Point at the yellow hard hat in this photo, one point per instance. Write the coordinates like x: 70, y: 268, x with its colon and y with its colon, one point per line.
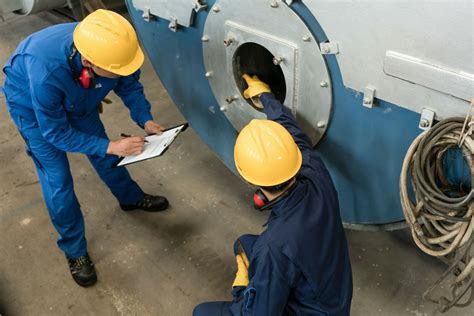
x: 109, y: 41
x: 265, y: 153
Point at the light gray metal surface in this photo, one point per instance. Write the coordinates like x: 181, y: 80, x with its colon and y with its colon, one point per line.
x: 435, y: 33
x: 9, y: 6
x: 233, y: 23
x: 177, y: 11
x: 455, y: 83
x: 35, y: 6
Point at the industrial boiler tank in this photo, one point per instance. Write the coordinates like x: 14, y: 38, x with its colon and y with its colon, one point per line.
x: 363, y: 78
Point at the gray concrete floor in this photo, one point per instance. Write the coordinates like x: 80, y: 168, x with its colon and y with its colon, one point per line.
x: 162, y: 264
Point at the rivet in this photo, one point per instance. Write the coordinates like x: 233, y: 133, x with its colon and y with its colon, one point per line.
x: 306, y: 38
x: 321, y: 124
x: 205, y: 38
x: 209, y: 74
x: 230, y: 99
x: 326, y: 49
x: 216, y: 8
x: 323, y: 84
x: 223, y: 108
x: 274, y: 4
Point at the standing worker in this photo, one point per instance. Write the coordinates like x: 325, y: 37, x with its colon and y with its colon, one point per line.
x: 55, y: 82
x: 300, y: 264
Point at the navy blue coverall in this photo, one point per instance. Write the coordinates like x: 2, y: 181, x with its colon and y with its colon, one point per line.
x: 300, y: 264
x: 55, y: 115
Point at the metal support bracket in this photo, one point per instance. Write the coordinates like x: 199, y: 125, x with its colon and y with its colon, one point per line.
x: 426, y: 119
x: 147, y: 16
x: 180, y: 13
x: 198, y: 6
x: 369, y: 95
x: 173, y: 26
x: 329, y: 48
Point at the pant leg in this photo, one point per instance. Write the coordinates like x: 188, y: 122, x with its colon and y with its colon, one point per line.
x: 117, y: 179
x: 213, y: 309
x: 57, y: 185
x: 246, y: 242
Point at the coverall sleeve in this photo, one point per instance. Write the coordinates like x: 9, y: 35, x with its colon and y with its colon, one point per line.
x: 268, y: 289
x: 130, y: 90
x: 275, y: 111
x: 47, y: 101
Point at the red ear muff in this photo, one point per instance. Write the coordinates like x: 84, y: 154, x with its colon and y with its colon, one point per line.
x: 259, y: 199
x: 261, y: 203
x: 86, y: 78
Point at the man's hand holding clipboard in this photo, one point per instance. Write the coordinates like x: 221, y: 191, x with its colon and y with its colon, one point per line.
x: 155, y: 145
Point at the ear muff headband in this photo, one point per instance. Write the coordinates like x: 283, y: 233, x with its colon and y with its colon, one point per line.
x: 86, y: 76
x: 261, y: 202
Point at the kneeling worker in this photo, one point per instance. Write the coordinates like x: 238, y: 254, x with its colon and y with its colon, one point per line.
x: 300, y: 264
x: 55, y: 82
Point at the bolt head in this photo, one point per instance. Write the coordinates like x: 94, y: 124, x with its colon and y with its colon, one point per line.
x: 216, y: 8
x: 323, y: 84
x: 326, y: 49
x: 209, y: 74
x: 306, y: 38
x: 205, y: 38
x: 228, y: 41
x: 424, y: 123
x: 367, y: 101
x: 223, y: 108
x: 277, y: 60
x: 321, y: 124
x: 274, y: 4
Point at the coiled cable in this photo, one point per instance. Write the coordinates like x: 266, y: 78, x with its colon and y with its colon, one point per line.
x: 440, y: 213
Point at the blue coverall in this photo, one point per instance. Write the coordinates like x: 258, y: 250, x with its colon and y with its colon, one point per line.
x: 55, y: 115
x: 300, y: 264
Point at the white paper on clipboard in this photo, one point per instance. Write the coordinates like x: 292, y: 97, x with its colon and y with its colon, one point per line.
x: 156, y: 145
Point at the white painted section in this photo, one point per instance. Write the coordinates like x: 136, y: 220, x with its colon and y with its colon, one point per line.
x: 9, y: 5
x: 182, y: 10
x: 456, y: 83
x: 438, y: 34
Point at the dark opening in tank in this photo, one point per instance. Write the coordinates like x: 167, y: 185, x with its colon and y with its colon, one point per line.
x: 254, y: 59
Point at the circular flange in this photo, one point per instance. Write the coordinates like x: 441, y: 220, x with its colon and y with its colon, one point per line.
x: 290, y: 44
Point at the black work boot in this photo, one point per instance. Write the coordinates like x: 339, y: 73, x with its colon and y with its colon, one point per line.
x: 149, y: 203
x: 82, y: 270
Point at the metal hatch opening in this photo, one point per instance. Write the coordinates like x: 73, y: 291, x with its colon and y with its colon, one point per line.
x: 254, y: 59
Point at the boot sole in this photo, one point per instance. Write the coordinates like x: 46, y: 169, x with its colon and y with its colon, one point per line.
x: 127, y: 208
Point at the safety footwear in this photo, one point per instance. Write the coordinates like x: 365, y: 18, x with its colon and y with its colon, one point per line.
x: 266, y: 154
x: 109, y: 41
x: 149, y: 203
x: 82, y: 270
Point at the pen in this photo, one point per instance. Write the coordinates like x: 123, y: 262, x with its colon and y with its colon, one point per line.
x: 126, y: 135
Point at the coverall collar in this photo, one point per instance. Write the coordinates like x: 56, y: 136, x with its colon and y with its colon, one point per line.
x: 287, y: 204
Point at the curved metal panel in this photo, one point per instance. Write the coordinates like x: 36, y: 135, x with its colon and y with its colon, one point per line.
x: 434, y: 33
x: 178, y: 61
x: 249, y: 21
x: 363, y: 148
x: 35, y: 6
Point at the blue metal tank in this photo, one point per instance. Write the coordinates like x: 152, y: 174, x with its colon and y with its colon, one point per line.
x: 363, y: 79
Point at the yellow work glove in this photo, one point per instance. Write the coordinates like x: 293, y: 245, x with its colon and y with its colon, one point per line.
x: 242, y: 276
x: 256, y: 87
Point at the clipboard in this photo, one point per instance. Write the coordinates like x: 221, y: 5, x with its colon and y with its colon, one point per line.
x: 156, y: 145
